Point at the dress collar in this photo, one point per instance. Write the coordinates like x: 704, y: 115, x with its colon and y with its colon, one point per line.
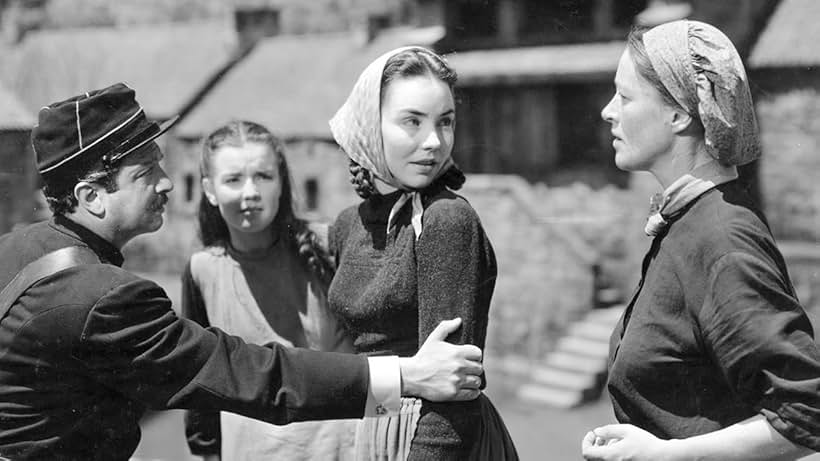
x: 256, y: 255
x: 385, y: 209
x: 103, y: 248
x: 664, y: 207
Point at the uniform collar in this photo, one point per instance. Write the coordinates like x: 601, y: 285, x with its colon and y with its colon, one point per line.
x: 103, y: 248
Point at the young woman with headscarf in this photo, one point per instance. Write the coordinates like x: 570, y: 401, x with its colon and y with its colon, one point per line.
x: 413, y: 252
x: 714, y: 358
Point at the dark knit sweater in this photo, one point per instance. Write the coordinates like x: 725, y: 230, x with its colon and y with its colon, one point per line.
x: 392, y: 291
x: 715, y: 334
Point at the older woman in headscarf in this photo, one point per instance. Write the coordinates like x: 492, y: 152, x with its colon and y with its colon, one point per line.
x: 714, y: 358
x: 413, y: 252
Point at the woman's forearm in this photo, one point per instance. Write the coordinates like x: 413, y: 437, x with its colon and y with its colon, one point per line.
x: 753, y: 439
x: 749, y: 440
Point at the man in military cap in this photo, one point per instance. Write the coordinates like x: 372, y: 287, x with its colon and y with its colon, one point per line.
x: 86, y: 347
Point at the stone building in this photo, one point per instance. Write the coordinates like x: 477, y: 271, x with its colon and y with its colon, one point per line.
x: 169, y: 65
x: 534, y: 76
x: 293, y: 85
x: 174, y: 66
x: 784, y: 68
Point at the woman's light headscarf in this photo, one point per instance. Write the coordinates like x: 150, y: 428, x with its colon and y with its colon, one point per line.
x: 357, y: 129
x: 702, y: 70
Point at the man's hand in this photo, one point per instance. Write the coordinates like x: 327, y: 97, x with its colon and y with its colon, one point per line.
x: 441, y: 371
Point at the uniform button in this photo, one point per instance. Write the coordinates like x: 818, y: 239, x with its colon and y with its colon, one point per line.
x: 381, y: 410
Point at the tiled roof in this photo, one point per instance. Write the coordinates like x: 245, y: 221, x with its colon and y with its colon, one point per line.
x: 166, y: 64
x: 538, y: 63
x: 294, y: 84
x: 790, y: 37
x: 13, y: 116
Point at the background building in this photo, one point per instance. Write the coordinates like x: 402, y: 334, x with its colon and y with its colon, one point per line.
x: 18, y: 202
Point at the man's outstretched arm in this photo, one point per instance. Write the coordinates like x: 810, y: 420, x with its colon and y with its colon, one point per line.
x: 132, y: 340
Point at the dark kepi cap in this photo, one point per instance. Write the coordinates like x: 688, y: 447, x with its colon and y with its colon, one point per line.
x: 105, y: 124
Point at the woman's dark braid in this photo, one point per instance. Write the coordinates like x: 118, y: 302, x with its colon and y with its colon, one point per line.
x: 314, y: 257
x: 361, y: 179
x: 453, y: 178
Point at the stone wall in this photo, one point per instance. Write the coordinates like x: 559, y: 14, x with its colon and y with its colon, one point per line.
x: 326, y: 166
x: 803, y: 260
x: 788, y: 110
x: 544, y: 279
x: 789, y: 168
x: 549, y: 242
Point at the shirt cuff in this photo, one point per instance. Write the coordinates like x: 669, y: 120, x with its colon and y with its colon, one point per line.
x: 384, y: 390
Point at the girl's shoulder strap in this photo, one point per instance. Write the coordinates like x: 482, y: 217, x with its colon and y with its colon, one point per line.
x: 202, y: 262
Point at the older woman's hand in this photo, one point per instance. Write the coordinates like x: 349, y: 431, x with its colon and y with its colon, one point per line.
x: 622, y: 442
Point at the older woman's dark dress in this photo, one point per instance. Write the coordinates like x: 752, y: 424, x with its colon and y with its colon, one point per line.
x: 714, y: 334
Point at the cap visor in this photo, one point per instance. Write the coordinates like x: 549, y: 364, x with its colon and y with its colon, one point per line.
x: 163, y: 127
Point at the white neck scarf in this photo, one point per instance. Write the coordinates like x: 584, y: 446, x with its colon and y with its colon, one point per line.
x: 418, y: 211
x: 683, y: 191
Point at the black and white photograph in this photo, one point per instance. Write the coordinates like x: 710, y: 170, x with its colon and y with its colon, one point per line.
x: 409, y: 230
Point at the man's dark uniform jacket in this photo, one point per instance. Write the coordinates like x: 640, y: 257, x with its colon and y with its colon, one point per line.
x: 85, y: 352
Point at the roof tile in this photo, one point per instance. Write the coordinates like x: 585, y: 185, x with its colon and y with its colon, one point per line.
x: 790, y: 38
x: 537, y: 63
x: 294, y: 84
x: 166, y: 64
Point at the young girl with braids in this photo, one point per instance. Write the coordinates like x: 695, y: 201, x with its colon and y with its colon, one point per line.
x: 265, y: 262
x: 412, y: 253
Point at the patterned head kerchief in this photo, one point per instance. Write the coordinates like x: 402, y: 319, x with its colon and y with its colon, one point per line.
x: 357, y: 124
x: 702, y: 70
x: 356, y: 127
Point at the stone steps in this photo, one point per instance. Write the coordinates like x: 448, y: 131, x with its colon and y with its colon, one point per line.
x: 575, y: 371
x: 584, y: 346
x: 608, y: 316
x: 565, y: 379
x: 576, y: 362
x: 554, y: 397
x: 591, y: 329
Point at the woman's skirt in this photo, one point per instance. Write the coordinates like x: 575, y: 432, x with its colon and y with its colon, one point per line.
x: 390, y: 438
x: 245, y: 439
